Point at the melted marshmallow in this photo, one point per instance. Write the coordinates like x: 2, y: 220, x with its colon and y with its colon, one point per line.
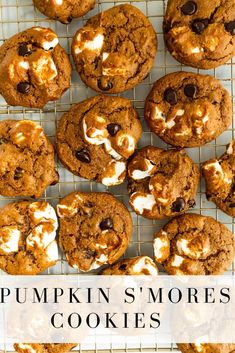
x: 94, y: 45
x: 138, y: 174
x: 145, y: 263
x: 119, y: 168
x: 142, y: 202
x: 9, y: 239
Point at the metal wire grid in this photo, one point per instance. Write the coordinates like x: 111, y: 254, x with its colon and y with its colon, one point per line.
x: 17, y: 15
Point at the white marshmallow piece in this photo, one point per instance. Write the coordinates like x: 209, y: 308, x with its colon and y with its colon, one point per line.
x: 119, y: 168
x: 52, y: 251
x: 94, y: 45
x: 138, y: 174
x: 177, y: 261
x: 50, y: 45
x: 9, y: 239
x: 145, y: 263
x: 27, y: 347
x: 141, y: 202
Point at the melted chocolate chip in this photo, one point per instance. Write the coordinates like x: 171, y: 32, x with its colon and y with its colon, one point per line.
x: 192, y: 203
x: 113, y: 129
x: 178, y: 205
x: 105, y: 87
x: 89, y: 254
x: 122, y: 267
x: 232, y: 205
x: 167, y: 27
x: 69, y: 19
x: 83, y: 156
x: 24, y: 49
x: 190, y: 91
x: 199, y: 26
x: 18, y: 173
x: 106, y: 224
x: 23, y: 87
x: 89, y: 205
x: 170, y: 96
x: 230, y: 27
x: 2, y: 140
x: 189, y: 8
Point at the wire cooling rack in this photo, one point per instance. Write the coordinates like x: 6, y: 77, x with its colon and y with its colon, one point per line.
x: 17, y: 15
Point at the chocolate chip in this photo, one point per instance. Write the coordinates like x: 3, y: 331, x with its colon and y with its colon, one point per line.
x: 178, y: 205
x: 208, y: 196
x: 18, y: 173
x: 113, y: 129
x: 89, y: 254
x: 2, y: 140
x: 190, y: 91
x: 167, y: 27
x: 107, y: 223
x: 24, y: 49
x: 199, y: 26
x: 83, y: 155
x: 123, y: 267
x: 89, y: 205
x: 105, y: 87
x: 232, y: 205
x: 189, y: 8
x: 23, y: 87
x: 170, y: 96
x: 192, y: 203
x: 69, y: 19
x: 230, y: 27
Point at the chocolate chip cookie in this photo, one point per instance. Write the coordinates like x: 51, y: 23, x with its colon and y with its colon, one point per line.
x: 64, y: 10
x: 34, y: 68
x: 200, y: 33
x: 207, y: 348
x: 27, y: 159
x: 192, y: 244
x: 162, y: 183
x: 27, y: 237
x: 140, y: 265
x: 115, y: 50
x: 220, y: 180
x: 43, y: 348
x: 188, y: 110
x: 97, y: 136
x: 95, y: 229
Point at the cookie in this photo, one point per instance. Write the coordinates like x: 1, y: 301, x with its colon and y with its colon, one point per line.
x: 200, y: 33
x: 34, y: 68
x: 97, y: 136
x: 188, y: 110
x: 27, y: 237
x: 206, y: 348
x: 27, y: 159
x: 95, y: 229
x: 140, y: 265
x: 219, y: 175
x: 192, y: 244
x: 115, y: 50
x: 162, y: 183
x: 64, y: 10
x: 43, y: 348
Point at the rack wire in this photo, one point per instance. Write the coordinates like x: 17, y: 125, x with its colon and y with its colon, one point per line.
x: 17, y: 15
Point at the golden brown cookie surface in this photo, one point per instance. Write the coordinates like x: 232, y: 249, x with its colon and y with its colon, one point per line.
x: 200, y: 33
x: 43, y: 348
x: 207, y: 348
x: 34, y: 68
x: 95, y: 229
x: 194, y: 245
x: 97, y: 136
x: 188, y: 110
x: 27, y: 165
x: 27, y: 237
x: 64, y: 10
x: 140, y: 265
x: 115, y: 50
x: 219, y: 175
x: 162, y: 183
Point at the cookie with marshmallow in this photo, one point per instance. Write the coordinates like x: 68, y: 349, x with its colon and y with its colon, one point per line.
x: 219, y: 176
x: 95, y: 229
x: 188, y: 110
x: 206, y: 347
x: 192, y: 244
x: 115, y: 50
x: 139, y: 265
x: 64, y: 10
x: 97, y: 136
x: 34, y: 68
x: 27, y: 237
x: 43, y: 348
x: 162, y: 183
